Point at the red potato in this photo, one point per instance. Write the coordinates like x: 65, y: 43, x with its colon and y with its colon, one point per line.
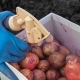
x: 52, y: 75
x: 30, y: 62
x: 38, y: 75
x: 58, y: 75
x: 15, y: 65
x: 62, y: 71
x: 27, y: 73
x: 49, y: 48
x: 63, y: 78
x: 38, y: 52
x: 49, y: 38
x: 57, y: 60
x: 43, y: 65
x: 64, y: 50
x: 56, y: 41
x: 72, y: 57
x: 51, y: 67
x: 72, y: 70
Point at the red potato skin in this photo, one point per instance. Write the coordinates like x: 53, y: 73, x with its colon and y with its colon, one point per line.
x: 15, y: 65
x: 72, y: 57
x: 58, y: 75
x: 27, y: 73
x: 43, y: 65
x: 30, y: 62
x: 38, y: 75
x: 72, y: 70
x: 57, y: 60
x: 63, y: 78
x: 52, y: 75
x: 51, y: 67
x: 49, y: 48
x: 49, y: 38
x: 57, y: 41
x: 57, y: 72
x: 64, y: 50
x: 38, y: 51
x: 62, y: 71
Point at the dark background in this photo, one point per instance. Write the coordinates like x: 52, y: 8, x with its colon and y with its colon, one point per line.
x: 69, y: 9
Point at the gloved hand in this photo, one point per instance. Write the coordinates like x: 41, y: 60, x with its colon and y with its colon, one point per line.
x: 7, y: 72
x: 12, y: 49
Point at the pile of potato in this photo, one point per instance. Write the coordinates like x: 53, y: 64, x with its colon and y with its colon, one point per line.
x: 51, y: 62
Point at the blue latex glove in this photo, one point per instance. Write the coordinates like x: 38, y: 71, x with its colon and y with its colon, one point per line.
x: 7, y: 72
x: 12, y: 49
